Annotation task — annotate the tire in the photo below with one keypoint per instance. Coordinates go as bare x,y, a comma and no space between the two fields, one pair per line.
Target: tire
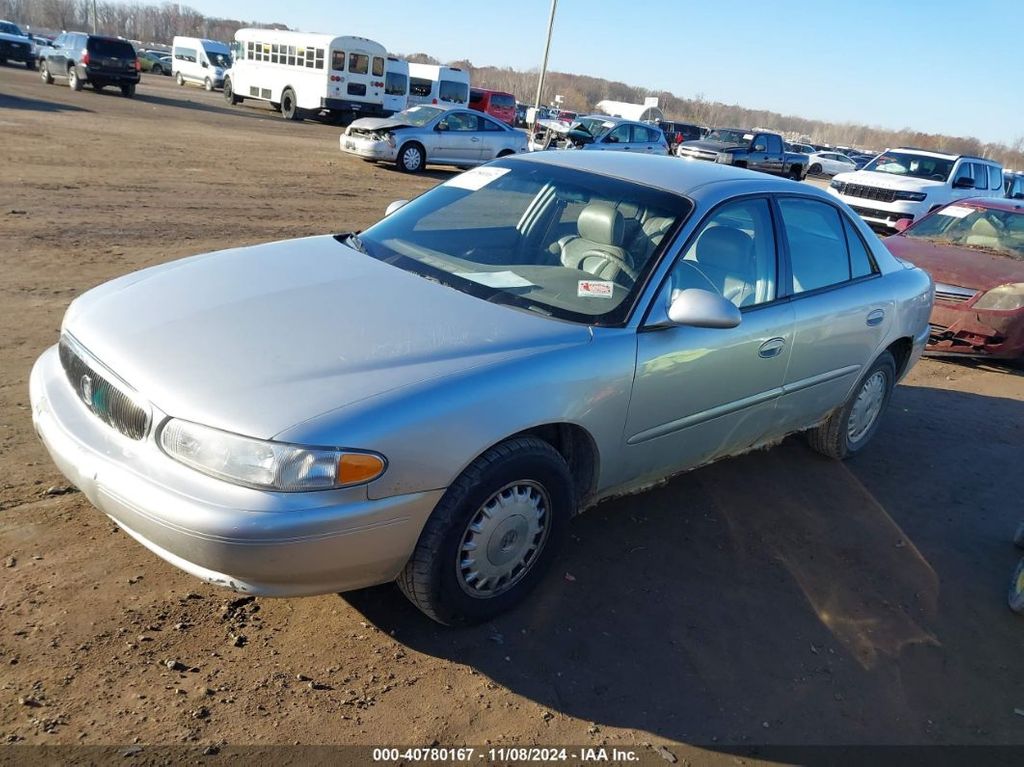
1016,596
289,109
44,73
128,91
208,84
30,64
1018,537
98,86
181,80
794,173
814,170
840,436
412,158
156,70
74,81
505,153
229,92
523,474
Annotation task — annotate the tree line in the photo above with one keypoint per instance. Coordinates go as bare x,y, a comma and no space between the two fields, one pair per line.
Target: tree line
152,23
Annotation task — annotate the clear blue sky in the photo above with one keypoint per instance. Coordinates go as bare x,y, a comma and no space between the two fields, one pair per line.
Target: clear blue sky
939,66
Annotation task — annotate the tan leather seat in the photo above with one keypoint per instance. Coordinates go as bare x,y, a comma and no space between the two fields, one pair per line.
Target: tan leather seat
599,244
983,234
725,255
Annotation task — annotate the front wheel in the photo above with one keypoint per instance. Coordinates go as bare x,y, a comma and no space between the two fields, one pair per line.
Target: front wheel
44,73
181,80
289,109
208,84
411,158
850,428
491,537
229,92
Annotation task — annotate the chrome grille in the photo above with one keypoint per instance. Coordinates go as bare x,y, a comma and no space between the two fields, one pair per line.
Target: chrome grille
953,294
110,401
867,192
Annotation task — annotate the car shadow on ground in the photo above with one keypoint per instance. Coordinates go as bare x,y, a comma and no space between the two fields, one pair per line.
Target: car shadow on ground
8,101
781,597
199,106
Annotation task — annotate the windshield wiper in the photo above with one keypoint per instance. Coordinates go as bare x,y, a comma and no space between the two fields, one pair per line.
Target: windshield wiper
353,241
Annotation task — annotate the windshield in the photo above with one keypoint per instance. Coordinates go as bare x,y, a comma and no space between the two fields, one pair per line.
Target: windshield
727,136
595,126
914,165
418,116
10,29
220,59
565,243
968,226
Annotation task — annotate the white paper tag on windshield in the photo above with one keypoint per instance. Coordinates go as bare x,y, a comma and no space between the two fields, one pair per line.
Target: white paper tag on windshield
477,178
594,289
504,279
956,211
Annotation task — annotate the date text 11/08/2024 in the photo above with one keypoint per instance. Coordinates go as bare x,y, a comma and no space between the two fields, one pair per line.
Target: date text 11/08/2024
504,754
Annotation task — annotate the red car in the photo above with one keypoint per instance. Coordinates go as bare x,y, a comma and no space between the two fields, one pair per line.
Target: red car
974,251
495,103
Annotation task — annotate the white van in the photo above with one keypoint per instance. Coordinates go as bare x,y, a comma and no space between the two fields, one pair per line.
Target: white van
396,85
434,84
199,61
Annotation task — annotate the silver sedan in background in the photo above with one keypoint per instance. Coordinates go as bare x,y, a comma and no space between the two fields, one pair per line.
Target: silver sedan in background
431,401
432,134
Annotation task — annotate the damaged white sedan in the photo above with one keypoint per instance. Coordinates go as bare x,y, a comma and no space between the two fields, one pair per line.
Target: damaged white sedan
432,134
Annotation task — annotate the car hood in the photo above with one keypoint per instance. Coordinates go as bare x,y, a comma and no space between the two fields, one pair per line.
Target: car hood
714,146
889,181
968,268
379,123
257,340
15,38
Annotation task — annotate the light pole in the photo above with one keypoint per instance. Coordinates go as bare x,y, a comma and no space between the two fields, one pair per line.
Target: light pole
544,64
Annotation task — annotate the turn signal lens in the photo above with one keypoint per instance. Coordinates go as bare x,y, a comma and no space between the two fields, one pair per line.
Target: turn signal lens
357,468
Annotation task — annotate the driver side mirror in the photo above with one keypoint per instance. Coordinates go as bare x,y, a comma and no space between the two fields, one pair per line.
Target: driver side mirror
611,140
703,309
206,65
759,147
963,183
441,126
396,205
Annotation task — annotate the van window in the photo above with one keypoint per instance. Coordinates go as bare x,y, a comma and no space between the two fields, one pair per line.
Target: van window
503,100
338,61
182,54
457,93
378,66
358,63
475,96
420,87
396,84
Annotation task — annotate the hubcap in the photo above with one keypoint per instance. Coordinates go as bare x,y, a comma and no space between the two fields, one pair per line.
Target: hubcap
866,407
411,158
503,539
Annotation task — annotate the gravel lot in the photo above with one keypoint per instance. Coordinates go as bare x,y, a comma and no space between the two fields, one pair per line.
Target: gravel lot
776,598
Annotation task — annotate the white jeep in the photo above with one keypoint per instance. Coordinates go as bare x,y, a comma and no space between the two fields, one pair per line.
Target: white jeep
901,185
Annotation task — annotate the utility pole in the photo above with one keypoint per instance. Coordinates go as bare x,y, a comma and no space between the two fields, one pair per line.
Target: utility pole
544,65
95,17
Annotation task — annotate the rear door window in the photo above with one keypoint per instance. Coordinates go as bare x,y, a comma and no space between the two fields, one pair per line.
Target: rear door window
817,244
119,49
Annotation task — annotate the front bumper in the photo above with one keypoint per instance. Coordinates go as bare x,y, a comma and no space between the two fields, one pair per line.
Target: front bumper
257,542
367,148
962,330
883,216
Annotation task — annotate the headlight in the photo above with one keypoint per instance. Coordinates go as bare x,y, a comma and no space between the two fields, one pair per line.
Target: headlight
1005,298
838,185
911,196
725,158
266,465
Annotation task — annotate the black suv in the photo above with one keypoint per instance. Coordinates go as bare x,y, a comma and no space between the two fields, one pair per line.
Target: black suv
99,61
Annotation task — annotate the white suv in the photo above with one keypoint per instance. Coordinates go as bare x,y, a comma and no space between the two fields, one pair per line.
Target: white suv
901,185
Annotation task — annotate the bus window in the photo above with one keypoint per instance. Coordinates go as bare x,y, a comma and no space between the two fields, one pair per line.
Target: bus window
419,86
378,66
338,61
358,63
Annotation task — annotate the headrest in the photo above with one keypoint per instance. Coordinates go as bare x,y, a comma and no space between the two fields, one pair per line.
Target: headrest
726,247
628,209
599,222
984,227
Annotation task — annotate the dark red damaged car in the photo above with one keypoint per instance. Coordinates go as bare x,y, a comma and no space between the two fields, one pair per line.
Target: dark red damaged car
974,251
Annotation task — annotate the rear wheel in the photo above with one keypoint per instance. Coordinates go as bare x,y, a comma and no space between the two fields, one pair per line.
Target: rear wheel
74,81
794,173
157,69
128,91
814,170
181,80
30,64
492,535
44,73
412,158
289,109
208,84
851,427
1016,596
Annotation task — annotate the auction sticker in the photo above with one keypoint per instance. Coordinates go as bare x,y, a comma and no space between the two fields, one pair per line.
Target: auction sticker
956,211
476,179
594,289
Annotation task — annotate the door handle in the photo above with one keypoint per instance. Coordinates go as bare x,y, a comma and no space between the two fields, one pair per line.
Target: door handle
771,348
474,138
876,317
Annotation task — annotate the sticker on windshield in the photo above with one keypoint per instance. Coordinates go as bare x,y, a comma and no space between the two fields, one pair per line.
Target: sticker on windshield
476,179
504,279
956,211
594,289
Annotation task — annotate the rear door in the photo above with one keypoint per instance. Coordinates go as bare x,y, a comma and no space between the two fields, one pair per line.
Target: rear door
113,58
57,58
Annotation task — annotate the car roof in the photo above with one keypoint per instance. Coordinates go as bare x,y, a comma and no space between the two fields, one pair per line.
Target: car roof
1004,204
692,179
943,155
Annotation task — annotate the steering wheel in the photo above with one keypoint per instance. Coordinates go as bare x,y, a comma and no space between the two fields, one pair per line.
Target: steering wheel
614,260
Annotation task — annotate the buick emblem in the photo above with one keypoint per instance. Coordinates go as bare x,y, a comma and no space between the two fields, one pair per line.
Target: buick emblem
86,387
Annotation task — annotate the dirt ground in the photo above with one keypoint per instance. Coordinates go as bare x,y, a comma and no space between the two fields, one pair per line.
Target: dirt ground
777,598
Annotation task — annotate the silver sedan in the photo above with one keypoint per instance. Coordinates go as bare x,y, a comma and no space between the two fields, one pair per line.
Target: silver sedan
432,400
429,134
